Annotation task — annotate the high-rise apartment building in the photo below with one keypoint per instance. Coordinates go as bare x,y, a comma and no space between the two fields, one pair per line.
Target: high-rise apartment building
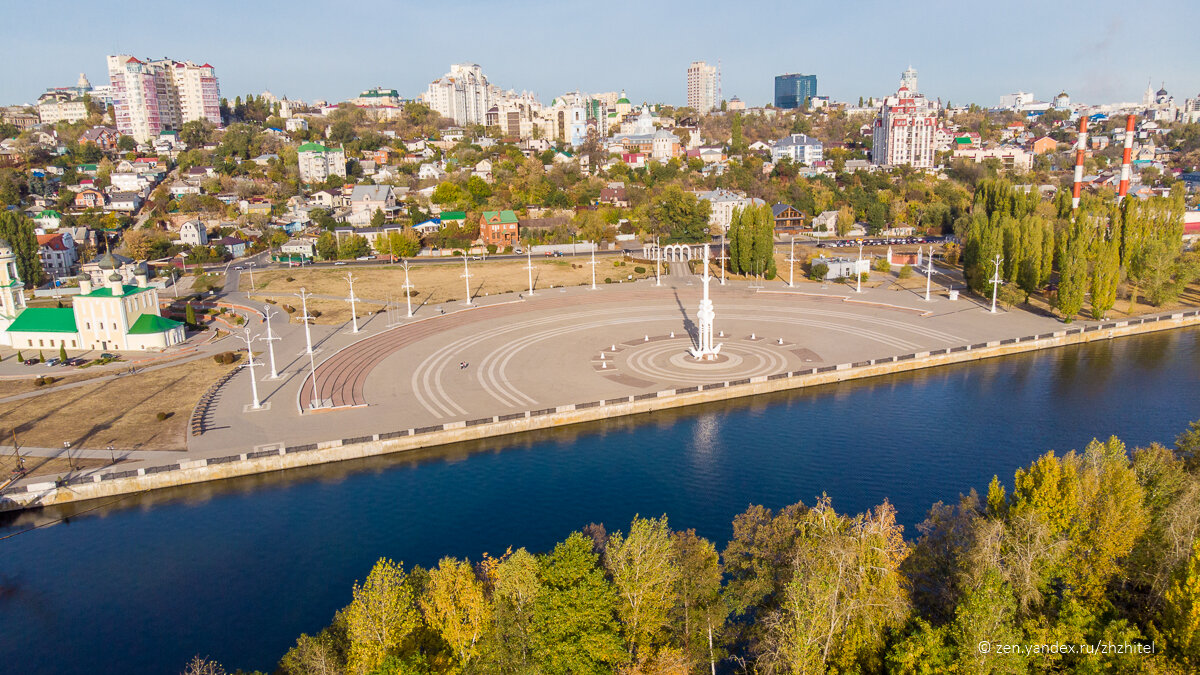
793,89
150,96
903,133
702,87
463,94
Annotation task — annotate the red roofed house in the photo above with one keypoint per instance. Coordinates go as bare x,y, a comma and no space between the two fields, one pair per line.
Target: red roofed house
498,228
89,198
615,196
1043,145
58,253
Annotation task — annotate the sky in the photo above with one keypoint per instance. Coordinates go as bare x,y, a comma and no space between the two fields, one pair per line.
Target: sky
964,51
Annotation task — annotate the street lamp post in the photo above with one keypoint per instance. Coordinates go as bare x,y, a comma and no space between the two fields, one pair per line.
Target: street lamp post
271,338
928,272
407,287
467,278
792,264
657,263
529,267
353,313
250,364
250,266
593,264
857,273
996,281
307,334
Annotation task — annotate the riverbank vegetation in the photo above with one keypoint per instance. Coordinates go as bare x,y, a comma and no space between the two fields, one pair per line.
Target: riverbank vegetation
1095,551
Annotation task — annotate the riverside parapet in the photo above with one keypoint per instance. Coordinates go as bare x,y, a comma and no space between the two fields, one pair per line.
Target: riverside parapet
263,459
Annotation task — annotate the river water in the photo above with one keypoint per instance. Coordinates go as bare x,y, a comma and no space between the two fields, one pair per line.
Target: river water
236,570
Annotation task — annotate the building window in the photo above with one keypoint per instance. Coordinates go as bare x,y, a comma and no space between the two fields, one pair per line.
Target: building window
40,343
72,343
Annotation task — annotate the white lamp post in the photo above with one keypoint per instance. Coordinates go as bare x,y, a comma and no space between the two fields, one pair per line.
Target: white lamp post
857,273
353,313
996,281
407,287
658,261
792,264
250,266
593,264
250,364
928,272
271,342
529,267
467,277
307,334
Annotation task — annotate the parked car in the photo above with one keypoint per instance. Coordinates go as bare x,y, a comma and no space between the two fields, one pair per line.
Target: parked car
340,262
31,362
75,361
53,362
106,355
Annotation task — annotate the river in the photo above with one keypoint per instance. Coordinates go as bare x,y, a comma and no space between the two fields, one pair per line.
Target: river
236,570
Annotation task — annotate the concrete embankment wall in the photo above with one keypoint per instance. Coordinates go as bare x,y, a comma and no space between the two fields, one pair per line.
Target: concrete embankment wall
111,482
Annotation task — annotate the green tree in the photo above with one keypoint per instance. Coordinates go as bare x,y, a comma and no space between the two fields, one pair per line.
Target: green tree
574,624
698,617
195,133
516,584
680,216
18,230
644,575
1105,276
1072,272
382,614
327,246
378,219
1181,616
354,246
190,314
126,143
456,607
447,193
62,352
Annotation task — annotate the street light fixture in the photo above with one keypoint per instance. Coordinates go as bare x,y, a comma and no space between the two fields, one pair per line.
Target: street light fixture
407,287
353,313
271,342
996,281
249,340
466,275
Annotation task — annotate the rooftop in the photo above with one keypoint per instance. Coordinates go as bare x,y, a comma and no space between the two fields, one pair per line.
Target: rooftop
45,320
152,323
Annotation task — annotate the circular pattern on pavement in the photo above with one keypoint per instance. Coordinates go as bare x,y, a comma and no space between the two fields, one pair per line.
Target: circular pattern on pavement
668,361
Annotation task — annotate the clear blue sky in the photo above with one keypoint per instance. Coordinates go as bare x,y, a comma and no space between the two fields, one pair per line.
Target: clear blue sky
964,50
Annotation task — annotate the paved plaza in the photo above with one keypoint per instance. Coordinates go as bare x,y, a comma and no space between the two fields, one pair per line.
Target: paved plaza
512,353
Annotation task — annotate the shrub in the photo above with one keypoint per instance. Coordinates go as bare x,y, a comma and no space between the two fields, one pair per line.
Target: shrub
291,279
608,280
240,320
881,265
162,416
769,275
218,358
289,309
315,313
41,357
19,357
818,271
412,293
616,263
39,381
640,270
622,263
905,272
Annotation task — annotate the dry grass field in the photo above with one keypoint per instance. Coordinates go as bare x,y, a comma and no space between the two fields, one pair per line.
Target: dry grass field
49,466
122,412
433,283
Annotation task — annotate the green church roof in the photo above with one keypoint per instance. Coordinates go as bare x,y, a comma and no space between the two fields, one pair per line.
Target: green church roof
152,323
106,292
453,215
45,320
622,100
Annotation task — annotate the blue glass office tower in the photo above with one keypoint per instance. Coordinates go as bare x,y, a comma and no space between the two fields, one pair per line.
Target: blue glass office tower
793,89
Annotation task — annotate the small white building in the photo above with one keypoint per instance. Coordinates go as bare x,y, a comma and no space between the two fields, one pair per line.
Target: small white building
798,148
843,268
193,233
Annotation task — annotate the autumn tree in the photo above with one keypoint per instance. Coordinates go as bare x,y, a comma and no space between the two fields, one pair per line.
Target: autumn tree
382,614
455,606
644,575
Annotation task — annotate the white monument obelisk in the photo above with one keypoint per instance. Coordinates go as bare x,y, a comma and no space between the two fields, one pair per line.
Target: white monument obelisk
704,349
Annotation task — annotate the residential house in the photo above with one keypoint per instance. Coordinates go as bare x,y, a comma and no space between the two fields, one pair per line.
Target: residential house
181,188
318,162
293,124
1043,145
458,218
105,138
723,202
193,233
430,172
484,170
89,198
255,205
787,218
798,148
302,246
236,247
825,222
617,197
843,268
498,228
57,253
365,200
124,201
428,227
48,219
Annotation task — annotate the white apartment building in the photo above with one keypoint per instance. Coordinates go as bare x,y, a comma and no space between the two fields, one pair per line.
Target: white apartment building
798,148
53,112
462,95
318,162
193,233
903,133
150,96
702,87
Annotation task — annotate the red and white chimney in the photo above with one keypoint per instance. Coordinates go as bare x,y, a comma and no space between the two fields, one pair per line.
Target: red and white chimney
1080,149
1125,159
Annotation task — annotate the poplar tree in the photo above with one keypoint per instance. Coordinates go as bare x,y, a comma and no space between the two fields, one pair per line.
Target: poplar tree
1105,275
1072,272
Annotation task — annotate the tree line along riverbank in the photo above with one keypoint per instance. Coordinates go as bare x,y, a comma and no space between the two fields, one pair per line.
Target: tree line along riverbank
1094,552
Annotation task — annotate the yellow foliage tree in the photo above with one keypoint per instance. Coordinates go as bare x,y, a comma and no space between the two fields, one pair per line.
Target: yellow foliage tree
381,615
456,607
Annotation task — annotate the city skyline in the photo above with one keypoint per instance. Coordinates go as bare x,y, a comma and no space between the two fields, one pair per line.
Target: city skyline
1092,61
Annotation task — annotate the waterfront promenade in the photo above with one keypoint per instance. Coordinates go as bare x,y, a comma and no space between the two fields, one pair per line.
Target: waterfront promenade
516,362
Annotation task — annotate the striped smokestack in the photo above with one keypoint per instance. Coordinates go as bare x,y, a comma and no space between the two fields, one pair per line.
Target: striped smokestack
1080,148
1125,159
